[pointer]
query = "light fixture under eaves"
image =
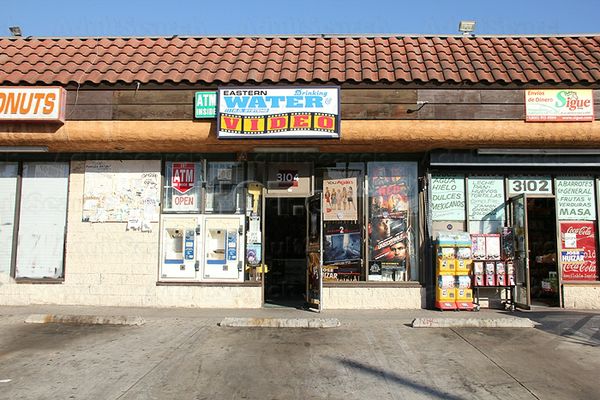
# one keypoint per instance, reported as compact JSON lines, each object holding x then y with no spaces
{"x":286,"y":149}
{"x":537,"y":152}
{"x":23,"y":149}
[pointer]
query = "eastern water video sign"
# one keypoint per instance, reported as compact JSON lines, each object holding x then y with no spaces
{"x":276,"y":113}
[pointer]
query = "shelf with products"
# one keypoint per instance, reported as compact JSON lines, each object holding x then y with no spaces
{"x":493,"y":266}
{"x":453,"y":271}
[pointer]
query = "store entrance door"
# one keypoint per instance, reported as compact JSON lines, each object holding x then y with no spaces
{"x":534,"y":224}
{"x":285,"y":251}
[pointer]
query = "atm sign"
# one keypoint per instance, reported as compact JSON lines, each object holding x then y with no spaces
{"x":183,"y":176}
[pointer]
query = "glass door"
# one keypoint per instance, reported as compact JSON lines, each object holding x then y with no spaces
{"x":518,"y":215}
{"x":314,"y":253}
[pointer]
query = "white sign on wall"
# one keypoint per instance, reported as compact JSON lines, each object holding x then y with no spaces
{"x":565,"y":105}
{"x":486,"y":198}
{"x":448,"y":197}
{"x":575,"y":199}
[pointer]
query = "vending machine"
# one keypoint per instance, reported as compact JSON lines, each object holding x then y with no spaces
{"x":179,"y":247}
{"x":224,"y":253}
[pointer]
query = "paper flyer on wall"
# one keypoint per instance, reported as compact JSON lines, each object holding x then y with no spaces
{"x":253,"y":254}
{"x":340,"y":200}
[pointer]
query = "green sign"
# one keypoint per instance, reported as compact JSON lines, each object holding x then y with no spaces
{"x":205,"y":105}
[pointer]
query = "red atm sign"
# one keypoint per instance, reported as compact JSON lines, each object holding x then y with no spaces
{"x":183,"y":176}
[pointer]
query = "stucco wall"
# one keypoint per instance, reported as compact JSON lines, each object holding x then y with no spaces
{"x":582,"y":296}
{"x":373,"y":298}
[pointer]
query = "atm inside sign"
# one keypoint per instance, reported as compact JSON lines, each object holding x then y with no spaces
{"x":205,"y":105}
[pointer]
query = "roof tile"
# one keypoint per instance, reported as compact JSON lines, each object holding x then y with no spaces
{"x":338,"y":59}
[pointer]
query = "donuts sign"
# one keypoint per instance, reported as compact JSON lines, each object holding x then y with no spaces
{"x":45,"y":104}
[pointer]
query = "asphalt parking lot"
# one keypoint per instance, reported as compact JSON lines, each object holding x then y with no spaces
{"x":371,"y":355}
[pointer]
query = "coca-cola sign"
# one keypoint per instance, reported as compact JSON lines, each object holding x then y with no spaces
{"x":578,"y":251}
{"x":581,"y":231}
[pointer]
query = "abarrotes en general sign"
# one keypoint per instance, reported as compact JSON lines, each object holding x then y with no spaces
{"x":311,"y":112}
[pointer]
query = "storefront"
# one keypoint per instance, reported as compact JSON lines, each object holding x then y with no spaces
{"x":244,"y":192}
{"x":548,"y":201}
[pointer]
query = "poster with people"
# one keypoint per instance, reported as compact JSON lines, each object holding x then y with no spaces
{"x":340,"y":200}
{"x":389,"y":223}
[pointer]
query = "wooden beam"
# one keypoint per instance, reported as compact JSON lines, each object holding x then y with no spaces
{"x":357,"y":136}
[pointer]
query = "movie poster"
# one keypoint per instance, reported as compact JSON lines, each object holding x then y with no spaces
{"x":340,"y":200}
{"x":342,"y":252}
{"x":389,"y":225}
{"x":341,"y":245}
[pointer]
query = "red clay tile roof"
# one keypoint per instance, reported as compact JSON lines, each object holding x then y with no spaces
{"x":65,"y":61}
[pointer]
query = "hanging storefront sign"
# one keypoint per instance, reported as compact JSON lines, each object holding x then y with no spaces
{"x":311,"y":112}
{"x":339,"y":199}
{"x":44,"y":104}
{"x":578,"y":251}
{"x":448,"y":198}
{"x":539,"y":185}
{"x":575,"y":199}
{"x":205,"y":105}
{"x":566,"y":105}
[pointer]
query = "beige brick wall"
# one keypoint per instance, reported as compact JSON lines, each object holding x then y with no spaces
{"x":373,"y":298}
{"x":582,"y":297}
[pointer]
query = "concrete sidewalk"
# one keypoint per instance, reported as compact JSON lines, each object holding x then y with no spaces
{"x":214,"y":314}
{"x":421,"y":317}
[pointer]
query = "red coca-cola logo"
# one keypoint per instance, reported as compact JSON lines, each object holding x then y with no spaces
{"x":587,"y":266}
{"x":581,"y":231}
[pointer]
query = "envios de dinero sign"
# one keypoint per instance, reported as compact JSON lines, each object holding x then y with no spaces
{"x":564,"y":105}
{"x":257,"y":112}
{"x":34,"y":103}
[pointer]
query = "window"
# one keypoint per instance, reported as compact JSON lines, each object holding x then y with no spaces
{"x":8,"y":195}
{"x":392,"y":226}
{"x":42,"y":220}
{"x":225,"y":193}
{"x":183,"y":187}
